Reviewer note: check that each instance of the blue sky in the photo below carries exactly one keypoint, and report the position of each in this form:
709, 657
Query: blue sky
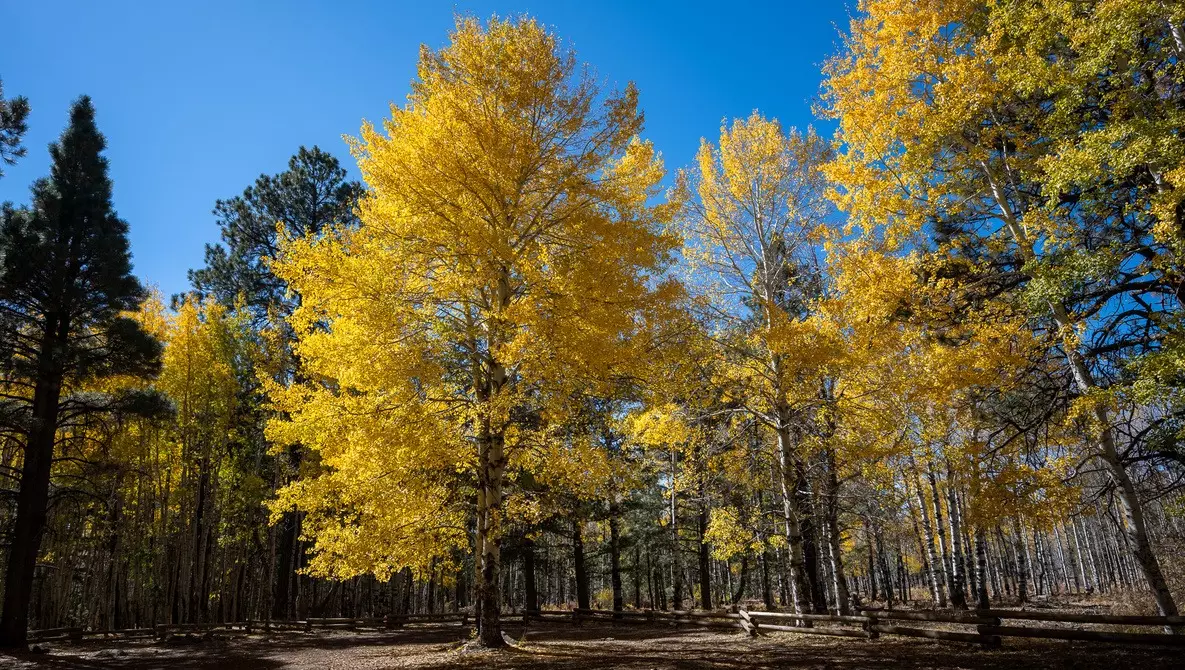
198, 98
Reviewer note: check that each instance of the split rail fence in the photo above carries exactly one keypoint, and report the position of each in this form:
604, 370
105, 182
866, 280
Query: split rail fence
984, 627
162, 631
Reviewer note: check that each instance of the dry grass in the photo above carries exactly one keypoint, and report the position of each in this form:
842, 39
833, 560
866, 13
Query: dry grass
565, 647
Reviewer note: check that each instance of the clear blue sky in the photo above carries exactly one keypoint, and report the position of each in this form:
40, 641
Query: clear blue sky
198, 98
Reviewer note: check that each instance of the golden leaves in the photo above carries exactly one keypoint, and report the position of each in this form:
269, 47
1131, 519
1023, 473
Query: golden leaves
507, 258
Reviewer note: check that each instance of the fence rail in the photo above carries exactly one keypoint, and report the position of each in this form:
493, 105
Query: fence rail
164, 630
986, 627
983, 627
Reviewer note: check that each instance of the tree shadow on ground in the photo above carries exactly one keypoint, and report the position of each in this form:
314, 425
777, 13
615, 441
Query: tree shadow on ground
568, 647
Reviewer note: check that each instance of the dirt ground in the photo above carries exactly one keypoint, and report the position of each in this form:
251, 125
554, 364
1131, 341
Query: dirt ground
590, 646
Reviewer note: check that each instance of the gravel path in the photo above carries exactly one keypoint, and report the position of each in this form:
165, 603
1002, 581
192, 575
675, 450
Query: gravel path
590, 646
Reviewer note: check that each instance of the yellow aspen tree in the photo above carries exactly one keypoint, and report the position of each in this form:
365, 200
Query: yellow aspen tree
507, 254
750, 211
1028, 140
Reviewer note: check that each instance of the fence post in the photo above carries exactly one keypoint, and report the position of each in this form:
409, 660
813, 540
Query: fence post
747, 623
870, 626
985, 625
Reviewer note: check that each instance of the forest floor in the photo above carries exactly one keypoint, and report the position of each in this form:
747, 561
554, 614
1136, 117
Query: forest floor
590, 646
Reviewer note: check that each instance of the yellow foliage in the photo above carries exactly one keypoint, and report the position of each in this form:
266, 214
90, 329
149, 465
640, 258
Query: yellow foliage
509, 255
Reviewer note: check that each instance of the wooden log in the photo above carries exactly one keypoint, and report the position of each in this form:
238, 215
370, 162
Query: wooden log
834, 618
56, 638
126, 632
704, 615
332, 623
1089, 635
442, 616
747, 623
705, 622
56, 633
1069, 617
950, 636
656, 616
944, 617
816, 630
551, 615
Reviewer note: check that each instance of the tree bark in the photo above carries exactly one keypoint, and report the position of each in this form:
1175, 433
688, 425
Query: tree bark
767, 592
1022, 572
1131, 507
530, 593
743, 583
705, 562
937, 576
839, 578
792, 515
615, 558
676, 553
981, 568
927, 563
488, 557
33, 499
958, 582
582, 599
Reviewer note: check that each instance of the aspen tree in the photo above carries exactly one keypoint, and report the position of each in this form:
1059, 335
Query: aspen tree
507, 254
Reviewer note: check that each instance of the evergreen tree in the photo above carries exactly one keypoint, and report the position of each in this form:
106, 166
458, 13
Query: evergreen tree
310, 195
12, 127
65, 282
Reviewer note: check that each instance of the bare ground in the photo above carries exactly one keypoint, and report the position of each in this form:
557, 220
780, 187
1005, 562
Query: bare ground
590, 646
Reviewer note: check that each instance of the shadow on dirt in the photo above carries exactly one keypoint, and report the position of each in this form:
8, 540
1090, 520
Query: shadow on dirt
566, 647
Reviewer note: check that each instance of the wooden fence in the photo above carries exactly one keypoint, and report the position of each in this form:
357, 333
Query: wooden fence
984, 627
162, 631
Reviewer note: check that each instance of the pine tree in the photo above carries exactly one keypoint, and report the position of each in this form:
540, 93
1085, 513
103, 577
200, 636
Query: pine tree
12, 127
310, 195
65, 280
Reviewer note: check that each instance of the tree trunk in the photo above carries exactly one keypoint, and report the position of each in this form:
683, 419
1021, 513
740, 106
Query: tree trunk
810, 544
1130, 506
1087, 584
792, 515
488, 556
285, 571
767, 593
981, 568
1022, 572
615, 558
839, 578
940, 529
744, 580
927, 564
872, 579
582, 600
676, 553
530, 593
705, 564
937, 575
958, 582
637, 576
883, 564
33, 499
